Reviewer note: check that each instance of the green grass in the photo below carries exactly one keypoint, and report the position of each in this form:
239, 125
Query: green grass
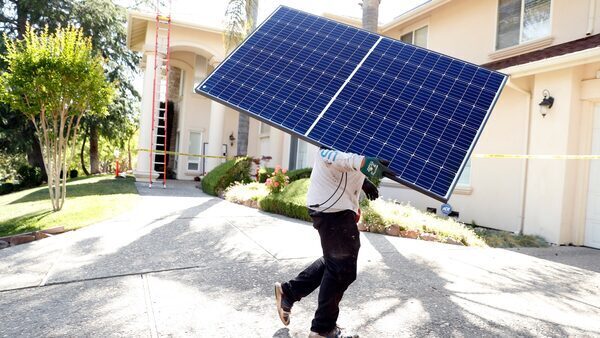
505, 239
89, 200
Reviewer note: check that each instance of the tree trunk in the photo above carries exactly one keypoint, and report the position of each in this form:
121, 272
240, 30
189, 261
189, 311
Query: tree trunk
35, 157
82, 158
94, 165
22, 17
370, 14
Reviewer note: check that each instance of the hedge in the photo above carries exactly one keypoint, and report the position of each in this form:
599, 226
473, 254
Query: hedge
290, 202
224, 175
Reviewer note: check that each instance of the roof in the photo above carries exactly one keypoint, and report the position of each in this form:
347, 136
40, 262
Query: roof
588, 42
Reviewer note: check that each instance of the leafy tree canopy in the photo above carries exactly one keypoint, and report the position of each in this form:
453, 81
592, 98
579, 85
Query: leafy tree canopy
54, 79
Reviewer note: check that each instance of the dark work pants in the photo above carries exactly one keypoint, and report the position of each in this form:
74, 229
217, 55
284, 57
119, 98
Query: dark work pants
334, 272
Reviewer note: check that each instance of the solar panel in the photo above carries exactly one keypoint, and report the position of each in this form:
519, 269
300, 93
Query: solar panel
355, 91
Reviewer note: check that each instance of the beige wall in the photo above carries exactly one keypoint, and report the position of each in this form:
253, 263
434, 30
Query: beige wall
473, 39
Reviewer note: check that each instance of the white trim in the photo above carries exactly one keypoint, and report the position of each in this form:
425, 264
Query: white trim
410, 15
554, 63
521, 48
174, 21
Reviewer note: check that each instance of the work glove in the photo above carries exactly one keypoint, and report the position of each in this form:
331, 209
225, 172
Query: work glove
370, 190
376, 168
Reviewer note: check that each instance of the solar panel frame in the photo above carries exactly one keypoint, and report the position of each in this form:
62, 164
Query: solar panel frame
416, 79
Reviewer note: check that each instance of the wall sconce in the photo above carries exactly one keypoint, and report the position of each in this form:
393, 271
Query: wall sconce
546, 103
231, 139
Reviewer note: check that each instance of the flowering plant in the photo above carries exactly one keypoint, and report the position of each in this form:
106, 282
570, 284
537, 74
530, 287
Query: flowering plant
277, 180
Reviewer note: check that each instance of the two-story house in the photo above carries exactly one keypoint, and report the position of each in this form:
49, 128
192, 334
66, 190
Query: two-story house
550, 49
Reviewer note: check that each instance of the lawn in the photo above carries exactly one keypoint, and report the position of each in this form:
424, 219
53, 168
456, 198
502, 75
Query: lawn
89, 200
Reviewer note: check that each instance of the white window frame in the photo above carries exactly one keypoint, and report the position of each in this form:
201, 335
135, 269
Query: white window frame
521, 42
191, 159
412, 35
464, 180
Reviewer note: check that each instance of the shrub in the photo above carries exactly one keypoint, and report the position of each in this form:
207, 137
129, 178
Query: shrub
381, 214
73, 173
298, 174
289, 202
277, 181
6, 188
263, 174
224, 175
29, 176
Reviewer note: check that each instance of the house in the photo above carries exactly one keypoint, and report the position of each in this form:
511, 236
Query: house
550, 49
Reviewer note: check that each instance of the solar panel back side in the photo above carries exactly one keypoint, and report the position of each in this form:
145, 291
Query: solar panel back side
335, 85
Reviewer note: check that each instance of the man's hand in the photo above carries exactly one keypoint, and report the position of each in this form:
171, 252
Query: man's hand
370, 190
373, 167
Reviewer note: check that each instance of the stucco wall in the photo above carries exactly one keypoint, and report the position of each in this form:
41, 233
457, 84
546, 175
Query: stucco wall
467, 28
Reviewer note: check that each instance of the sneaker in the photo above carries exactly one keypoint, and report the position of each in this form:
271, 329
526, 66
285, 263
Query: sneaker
335, 333
283, 309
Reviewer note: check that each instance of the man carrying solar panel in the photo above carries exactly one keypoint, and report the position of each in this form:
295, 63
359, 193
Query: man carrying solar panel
332, 199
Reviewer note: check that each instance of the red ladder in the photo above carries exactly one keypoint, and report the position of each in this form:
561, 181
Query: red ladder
160, 111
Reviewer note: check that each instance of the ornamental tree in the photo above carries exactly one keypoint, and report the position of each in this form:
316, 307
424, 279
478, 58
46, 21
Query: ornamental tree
55, 79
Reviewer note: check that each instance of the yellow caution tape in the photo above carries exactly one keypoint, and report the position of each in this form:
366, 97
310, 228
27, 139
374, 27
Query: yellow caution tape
539, 157
511, 156
178, 153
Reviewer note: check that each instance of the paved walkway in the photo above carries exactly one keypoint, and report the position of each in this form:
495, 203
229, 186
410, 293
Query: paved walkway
186, 264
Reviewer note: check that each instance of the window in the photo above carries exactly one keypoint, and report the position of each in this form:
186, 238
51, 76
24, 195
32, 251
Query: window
520, 21
302, 155
200, 71
264, 129
465, 176
417, 37
194, 148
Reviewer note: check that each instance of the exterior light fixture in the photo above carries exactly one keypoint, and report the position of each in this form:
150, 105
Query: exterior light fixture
546, 103
231, 139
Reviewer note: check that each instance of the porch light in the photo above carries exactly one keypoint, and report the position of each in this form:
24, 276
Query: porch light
546, 103
231, 139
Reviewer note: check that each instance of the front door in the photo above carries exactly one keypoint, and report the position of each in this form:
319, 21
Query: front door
592, 222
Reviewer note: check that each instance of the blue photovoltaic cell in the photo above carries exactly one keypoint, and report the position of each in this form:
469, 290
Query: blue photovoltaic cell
289, 69
355, 91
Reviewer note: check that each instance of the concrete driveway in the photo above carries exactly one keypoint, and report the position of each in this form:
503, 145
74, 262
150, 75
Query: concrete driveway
187, 264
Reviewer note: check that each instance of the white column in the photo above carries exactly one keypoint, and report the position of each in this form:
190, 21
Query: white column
215, 134
142, 170
276, 140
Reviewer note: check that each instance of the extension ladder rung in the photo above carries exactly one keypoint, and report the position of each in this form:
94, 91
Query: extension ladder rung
160, 144
159, 162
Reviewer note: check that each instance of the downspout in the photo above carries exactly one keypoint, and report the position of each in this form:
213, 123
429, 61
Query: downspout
527, 94
591, 17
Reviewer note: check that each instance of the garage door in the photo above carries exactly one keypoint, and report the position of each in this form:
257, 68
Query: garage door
592, 222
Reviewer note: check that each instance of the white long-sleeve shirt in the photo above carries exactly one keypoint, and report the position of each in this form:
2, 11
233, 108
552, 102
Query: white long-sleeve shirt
335, 181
